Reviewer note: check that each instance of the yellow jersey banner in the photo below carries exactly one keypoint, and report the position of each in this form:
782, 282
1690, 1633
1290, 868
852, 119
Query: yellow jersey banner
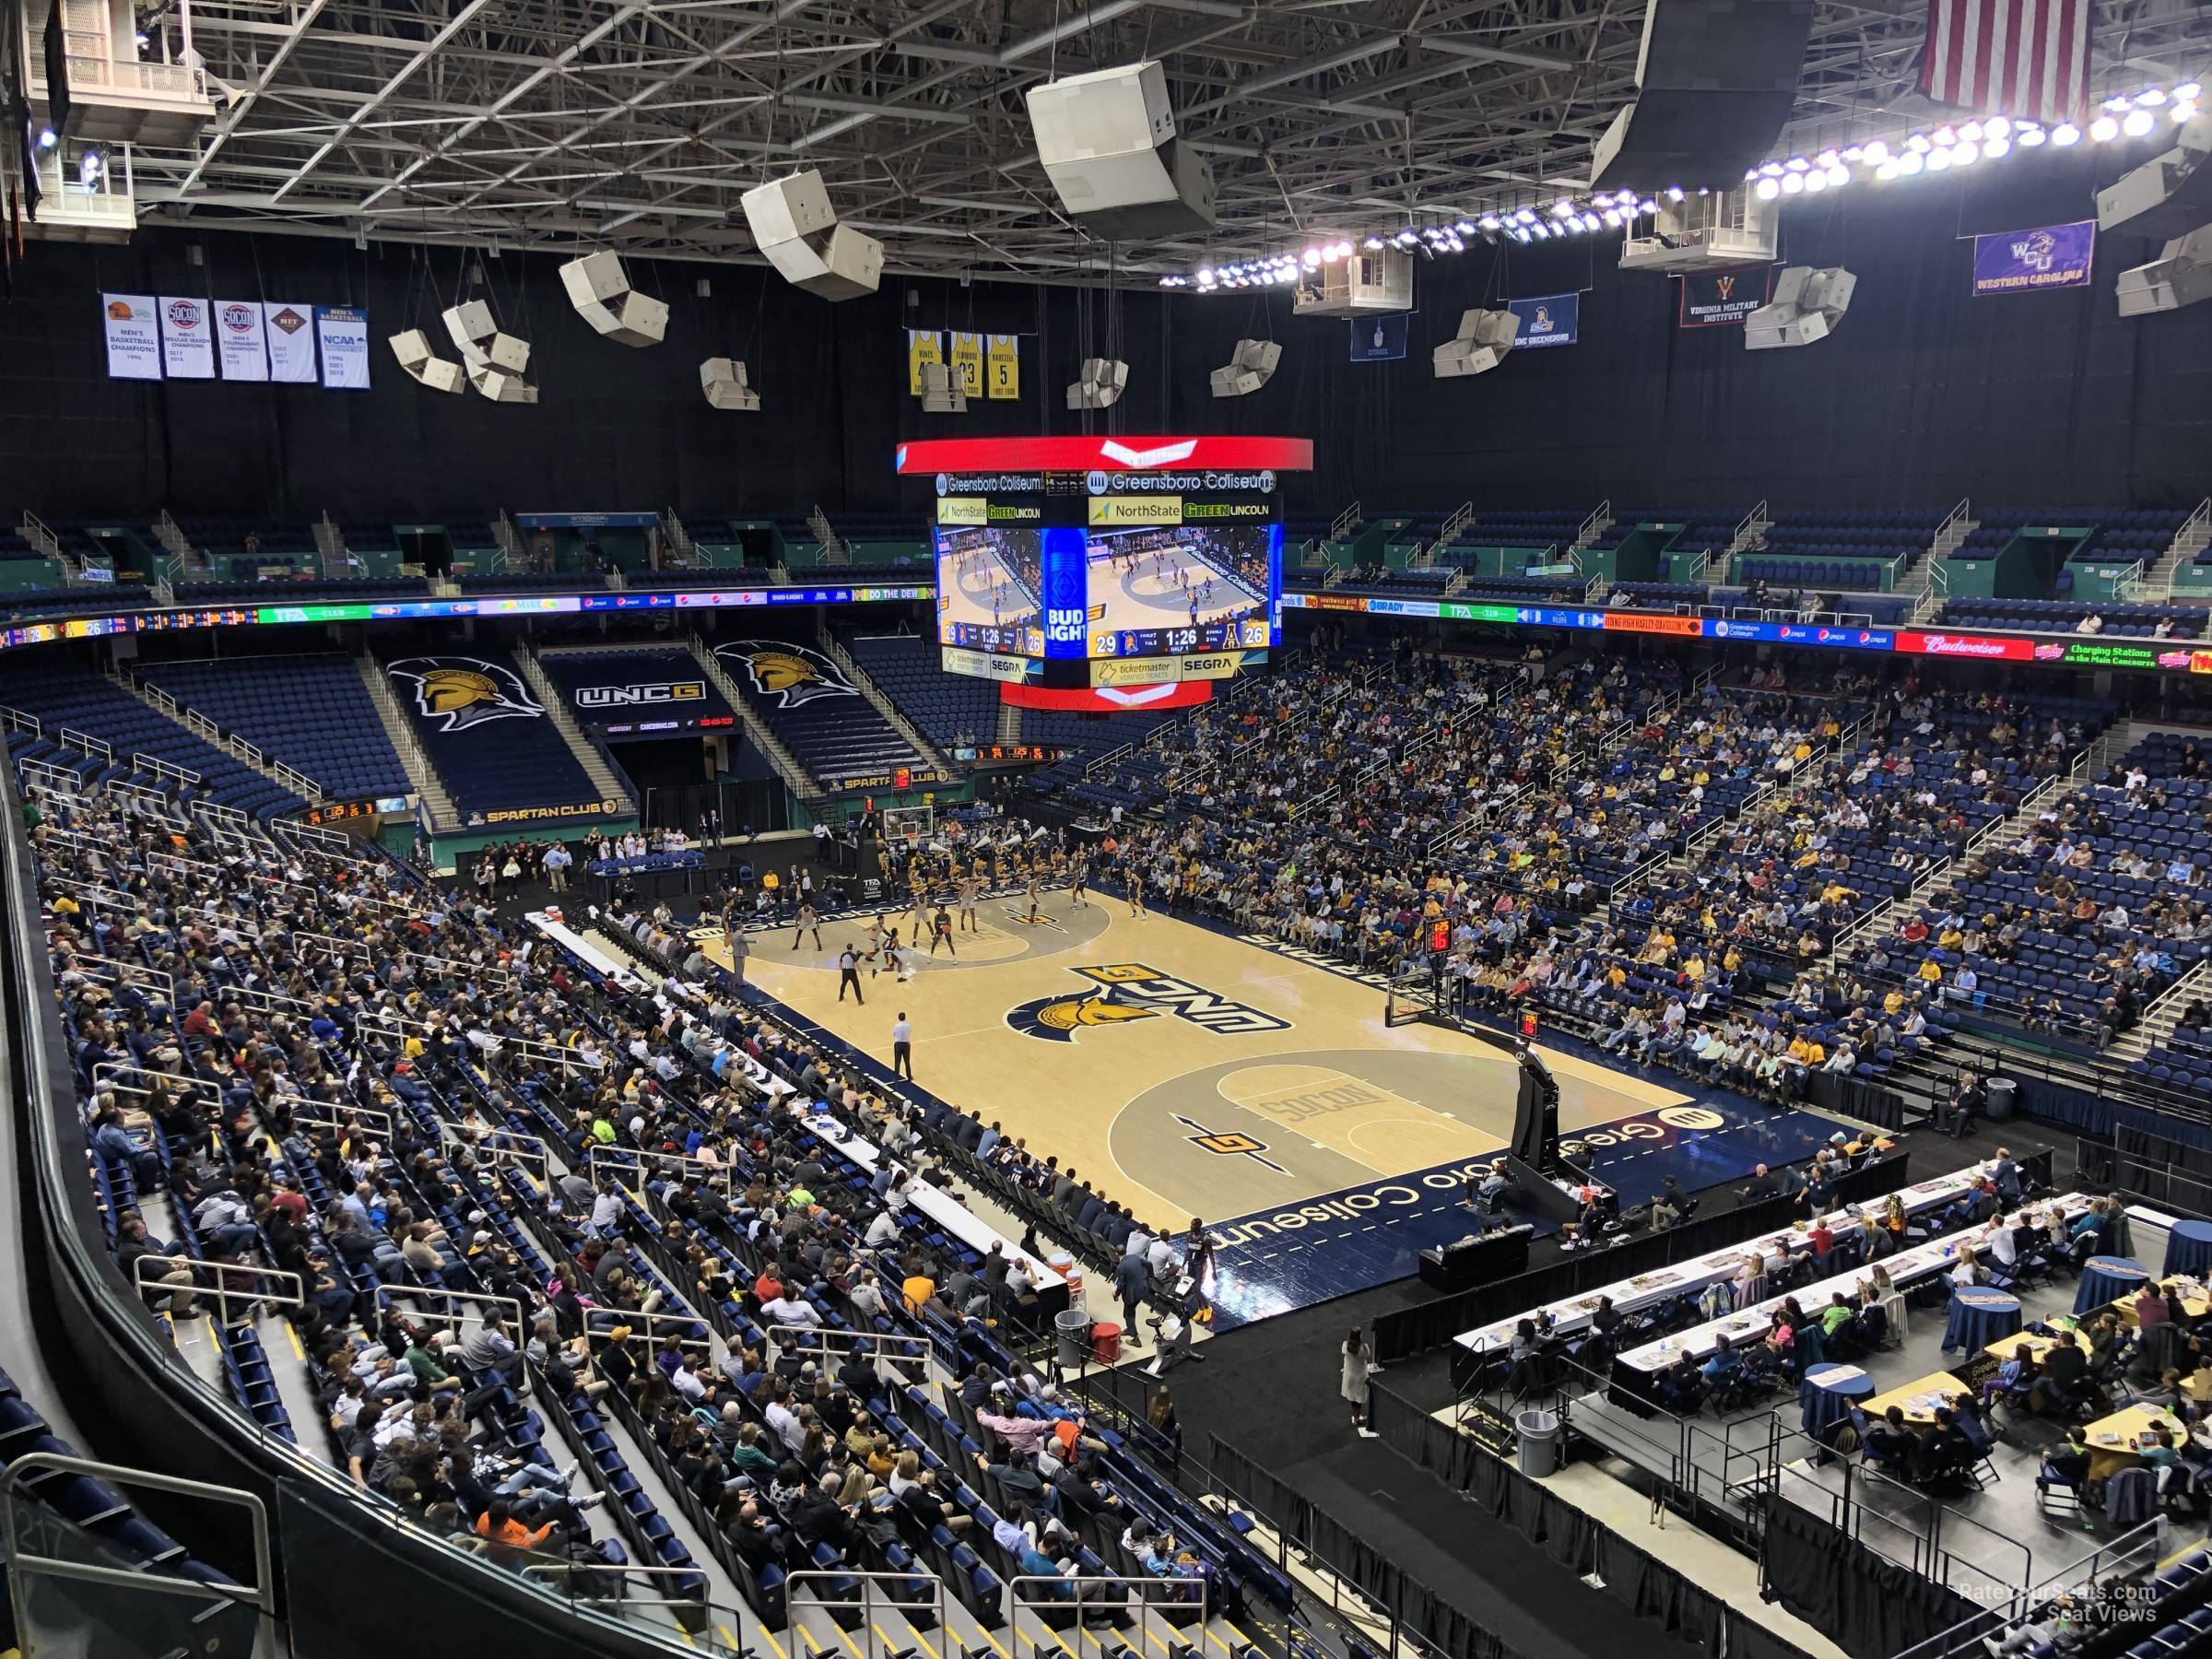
923, 345
968, 362
1003, 359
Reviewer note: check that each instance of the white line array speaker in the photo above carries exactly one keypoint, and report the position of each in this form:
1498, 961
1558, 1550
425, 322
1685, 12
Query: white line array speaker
2170, 195
1484, 338
2182, 274
496, 361
423, 365
1249, 367
1715, 82
1809, 302
794, 225
943, 391
599, 289
1102, 381
1108, 143
725, 381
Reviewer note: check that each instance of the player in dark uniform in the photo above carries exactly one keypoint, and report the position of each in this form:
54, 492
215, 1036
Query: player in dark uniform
940, 933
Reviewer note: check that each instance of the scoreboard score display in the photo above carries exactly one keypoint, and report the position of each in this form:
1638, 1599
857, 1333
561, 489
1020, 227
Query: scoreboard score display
1079, 561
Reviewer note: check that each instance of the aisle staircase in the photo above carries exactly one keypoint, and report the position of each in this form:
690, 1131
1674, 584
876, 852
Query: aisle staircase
428, 787
796, 778
589, 754
883, 705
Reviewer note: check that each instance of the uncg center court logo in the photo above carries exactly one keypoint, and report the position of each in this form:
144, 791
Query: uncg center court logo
1131, 992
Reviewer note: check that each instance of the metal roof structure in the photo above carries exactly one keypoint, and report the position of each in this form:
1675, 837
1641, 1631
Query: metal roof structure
636, 124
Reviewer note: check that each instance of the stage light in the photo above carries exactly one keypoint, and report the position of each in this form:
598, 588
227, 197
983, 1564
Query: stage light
2065, 133
1875, 152
1592, 222
1793, 184
2183, 110
1814, 183
1574, 221
1464, 227
1995, 147
1839, 175
1965, 155
1673, 193
1543, 233
1521, 235
1563, 206
2189, 91
1766, 190
1827, 158
1206, 273
1918, 144
1885, 173
1996, 126
1939, 160
1405, 238
1373, 244
46, 139
2030, 136
1910, 163
1647, 208
1946, 138
1796, 164
1312, 259
1490, 221
1526, 215
2138, 122
2103, 130
1971, 132
2151, 98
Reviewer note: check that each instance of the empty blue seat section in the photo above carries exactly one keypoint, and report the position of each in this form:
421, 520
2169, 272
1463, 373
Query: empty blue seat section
311, 712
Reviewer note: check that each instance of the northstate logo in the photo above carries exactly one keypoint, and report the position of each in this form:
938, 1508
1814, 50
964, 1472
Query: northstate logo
460, 692
791, 675
1131, 990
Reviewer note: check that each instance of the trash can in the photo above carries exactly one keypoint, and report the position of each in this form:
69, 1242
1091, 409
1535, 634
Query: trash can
1106, 1344
2002, 1095
1072, 1327
1539, 1432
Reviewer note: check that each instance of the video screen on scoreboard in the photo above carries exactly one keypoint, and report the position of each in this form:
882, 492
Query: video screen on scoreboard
1170, 590
990, 581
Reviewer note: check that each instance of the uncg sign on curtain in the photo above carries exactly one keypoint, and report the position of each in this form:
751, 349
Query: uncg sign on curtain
1548, 320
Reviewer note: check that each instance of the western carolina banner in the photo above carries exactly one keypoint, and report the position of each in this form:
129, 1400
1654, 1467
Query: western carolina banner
1377, 340
239, 336
187, 343
1001, 356
2049, 256
1723, 298
342, 334
1549, 320
134, 336
291, 334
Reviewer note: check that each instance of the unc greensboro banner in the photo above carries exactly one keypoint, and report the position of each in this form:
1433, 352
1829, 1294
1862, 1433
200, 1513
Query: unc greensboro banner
1549, 320
1723, 298
2048, 256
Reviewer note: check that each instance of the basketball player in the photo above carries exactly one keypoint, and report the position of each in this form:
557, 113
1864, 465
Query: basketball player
808, 918
970, 884
848, 975
917, 900
1078, 880
940, 930
1136, 884
1035, 888
888, 950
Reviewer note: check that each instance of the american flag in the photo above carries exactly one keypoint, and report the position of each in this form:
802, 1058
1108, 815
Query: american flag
2027, 59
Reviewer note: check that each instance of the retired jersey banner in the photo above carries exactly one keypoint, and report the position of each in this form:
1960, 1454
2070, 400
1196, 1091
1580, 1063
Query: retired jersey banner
187, 341
1721, 299
2049, 256
924, 346
1548, 320
290, 335
240, 336
342, 333
134, 336
1002, 365
967, 363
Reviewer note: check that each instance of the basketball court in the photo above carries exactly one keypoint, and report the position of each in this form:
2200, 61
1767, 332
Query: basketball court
1185, 1073
1150, 578
980, 584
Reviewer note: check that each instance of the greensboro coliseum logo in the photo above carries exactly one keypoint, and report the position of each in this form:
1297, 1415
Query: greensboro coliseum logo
792, 674
461, 692
1133, 992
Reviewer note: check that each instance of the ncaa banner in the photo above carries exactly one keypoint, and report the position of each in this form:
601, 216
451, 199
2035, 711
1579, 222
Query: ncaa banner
187, 341
288, 332
1002, 362
134, 337
342, 331
1721, 299
924, 346
1377, 340
240, 336
1551, 320
2048, 256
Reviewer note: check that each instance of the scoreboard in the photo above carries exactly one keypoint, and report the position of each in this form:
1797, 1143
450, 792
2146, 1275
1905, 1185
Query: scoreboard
1106, 561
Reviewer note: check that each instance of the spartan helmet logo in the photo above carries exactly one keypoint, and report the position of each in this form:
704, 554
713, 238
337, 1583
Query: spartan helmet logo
791, 675
461, 692
1058, 1019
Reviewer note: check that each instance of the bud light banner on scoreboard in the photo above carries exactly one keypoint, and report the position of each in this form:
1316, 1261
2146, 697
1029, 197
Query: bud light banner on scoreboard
1066, 601
1551, 320
2048, 256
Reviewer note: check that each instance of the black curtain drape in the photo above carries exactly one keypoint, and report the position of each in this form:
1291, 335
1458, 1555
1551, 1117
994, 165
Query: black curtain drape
1869, 1607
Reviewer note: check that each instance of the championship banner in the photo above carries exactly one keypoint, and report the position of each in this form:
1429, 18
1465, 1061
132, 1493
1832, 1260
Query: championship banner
342, 334
1002, 359
2048, 256
241, 338
187, 342
1377, 340
1721, 299
1548, 320
967, 363
924, 346
289, 333
134, 336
